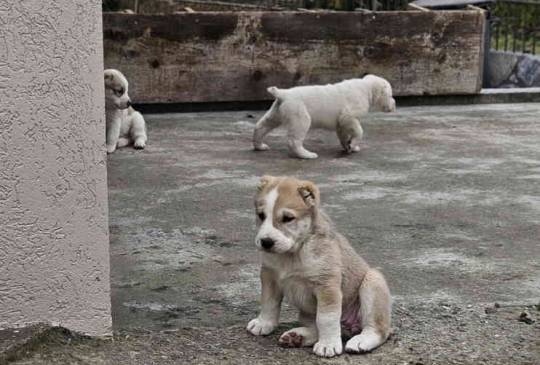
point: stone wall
(54, 257)
(511, 70)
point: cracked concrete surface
(445, 200)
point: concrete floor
(445, 200)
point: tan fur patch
(289, 198)
(293, 194)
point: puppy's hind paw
(307, 155)
(260, 327)
(328, 348)
(364, 342)
(298, 337)
(291, 339)
(122, 142)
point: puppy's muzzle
(392, 106)
(128, 104)
(267, 243)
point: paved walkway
(445, 200)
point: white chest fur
(300, 295)
(119, 116)
(293, 279)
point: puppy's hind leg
(138, 130)
(298, 121)
(350, 133)
(112, 134)
(264, 126)
(375, 312)
(122, 142)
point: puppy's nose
(128, 103)
(267, 243)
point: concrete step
(486, 96)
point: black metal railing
(347, 5)
(515, 26)
(382, 4)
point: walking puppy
(124, 125)
(335, 106)
(306, 261)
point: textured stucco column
(54, 256)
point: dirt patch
(435, 333)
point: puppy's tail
(277, 93)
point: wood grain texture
(209, 57)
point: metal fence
(382, 4)
(377, 5)
(515, 26)
(348, 5)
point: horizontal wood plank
(235, 56)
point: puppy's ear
(309, 193)
(265, 181)
(108, 79)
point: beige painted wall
(54, 257)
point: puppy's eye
(120, 91)
(261, 216)
(287, 218)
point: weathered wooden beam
(235, 56)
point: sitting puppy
(124, 124)
(305, 260)
(335, 106)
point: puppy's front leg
(138, 130)
(113, 132)
(271, 299)
(328, 322)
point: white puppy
(335, 106)
(306, 261)
(124, 125)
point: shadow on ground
(445, 200)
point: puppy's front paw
(111, 148)
(260, 327)
(139, 144)
(329, 348)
